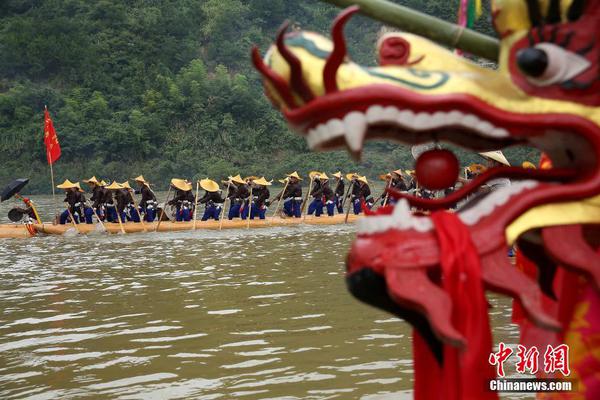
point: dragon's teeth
(355, 127)
(335, 127)
(374, 114)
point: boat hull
(20, 231)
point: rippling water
(258, 314)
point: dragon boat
(25, 231)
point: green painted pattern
(310, 46)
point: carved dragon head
(545, 93)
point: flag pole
(53, 190)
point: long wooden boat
(21, 231)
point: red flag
(50, 139)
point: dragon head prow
(544, 94)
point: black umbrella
(12, 188)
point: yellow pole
(196, 204)
(249, 209)
(224, 203)
(97, 216)
(310, 187)
(72, 219)
(119, 219)
(162, 210)
(348, 194)
(279, 201)
(137, 210)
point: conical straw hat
(385, 177)
(284, 181)
(250, 178)
(294, 175)
(181, 184)
(236, 179)
(323, 176)
(476, 168)
(314, 174)
(103, 183)
(79, 187)
(496, 156)
(338, 174)
(140, 179)
(352, 175)
(114, 186)
(67, 184)
(362, 179)
(126, 185)
(397, 172)
(262, 181)
(92, 180)
(528, 164)
(209, 185)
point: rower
(328, 195)
(148, 203)
(120, 197)
(496, 159)
(360, 192)
(130, 210)
(108, 202)
(339, 191)
(393, 180)
(212, 199)
(246, 206)
(183, 200)
(238, 192)
(260, 194)
(316, 191)
(97, 195)
(292, 196)
(75, 202)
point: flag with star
(50, 139)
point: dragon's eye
(547, 63)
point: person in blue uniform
(75, 204)
(148, 203)
(183, 199)
(316, 192)
(393, 180)
(98, 194)
(339, 191)
(116, 209)
(246, 206)
(360, 192)
(292, 196)
(131, 212)
(238, 193)
(260, 201)
(328, 195)
(212, 200)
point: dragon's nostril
(532, 61)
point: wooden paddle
(249, 209)
(72, 219)
(310, 188)
(196, 205)
(306, 197)
(137, 210)
(279, 201)
(119, 219)
(162, 210)
(97, 216)
(224, 205)
(351, 205)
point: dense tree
(161, 87)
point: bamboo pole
(162, 210)
(303, 207)
(350, 205)
(137, 210)
(53, 189)
(196, 205)
(310, 188)
(97, 216)
(438, 30)
(72, 219)
(224, 205)
(249, 209)
(279, 201)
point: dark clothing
(397, 184)
(75, 200)
(317, 189)
(339, 188)
(122, 198)
(242, 192)
(108, 196)
(181, 196)
(292, 190)
(211, 197)
(147, 195)
(361, 191)
(260, 195)
(326, 192)
(98, 196)
(231, 191)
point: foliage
(164, 88)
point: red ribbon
(465, 373)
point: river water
(235, 314)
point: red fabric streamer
(465, 373)
(50, 139)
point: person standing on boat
(212, 199)
(292, 196)
(131, 212)
(260, 194)
(148, 203)
(328, 195)
(98, 194)
(393, 180)
(339, 191)
(109, 204)
(75, 204)
(246, 206)
(116, 208)
(316, 191)
(238, 193)
(183, 200)
(360, 192)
